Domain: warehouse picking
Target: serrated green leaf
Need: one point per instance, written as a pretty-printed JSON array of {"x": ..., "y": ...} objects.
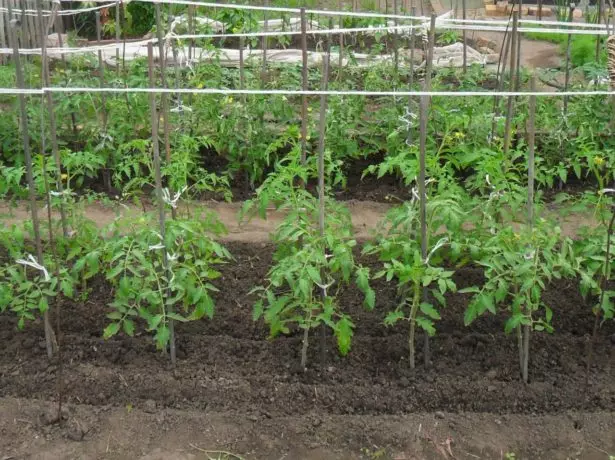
[
  {"x": 111, "y": 330},
  {"x": 429, "y": 310},
  {"x": 129, "y": 327}
]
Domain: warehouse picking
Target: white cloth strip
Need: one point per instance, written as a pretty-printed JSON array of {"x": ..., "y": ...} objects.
[{"x": 282, "y": 92}]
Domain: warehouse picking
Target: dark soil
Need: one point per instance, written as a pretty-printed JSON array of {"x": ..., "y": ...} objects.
[{"x": 228, "y": 365}]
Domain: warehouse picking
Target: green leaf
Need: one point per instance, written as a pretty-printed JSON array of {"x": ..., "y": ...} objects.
[
  {"x": 154, "y": 321},
  {"x": 314, "y": 274},
  {"x": 442, "y": 285},
  {"x": 393, "y": 316},
  {"x": 162, "y": 337},
  {"x": 129, "y": 327},
  {"x": 257, "y": 310},
  {"x": 370, "y": 299},
  {"x": 426, "y": 325},
  {"x": 111, "y": 330},
  {"x": 176, "y": 317},
  {"x": 343, "y": 333},
  {"x": 429, "y": 310},
  {"x": 67, "y": 288},
  {"x": 115, "y": 315},
  {"x": 513, "y": 322}
]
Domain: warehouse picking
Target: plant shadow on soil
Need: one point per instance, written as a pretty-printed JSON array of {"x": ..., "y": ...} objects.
[{"x": 227, "y": 365}]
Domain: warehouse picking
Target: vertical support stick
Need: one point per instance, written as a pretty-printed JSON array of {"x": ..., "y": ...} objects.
[
  {"x": 60, "y": 28},
  {"x": 465, "y": 39},
  {"x": 52, "y": 117},
  {"x": 118, "y": 32},
  {"x": 501, "y": 72},
  {"x": 567, "y": 70},
  {"x": 410, "y": 78},
  {"x": 321, "y": 175},
  {"x": 424, "y": 109},
  {"x": 164, "y": 97},
  {"x": 531, "y": 140},
  {"x": 513, "y": 83},
  {"x": 103, "y": 100},
  {"x": 600, "y": 17},
  {"x": 341, "y": 51},
  {"x": 304, "y": 86},
  {"x": 265, "y": 43},
  {"x": 101, "y": 70},
  {"x": 540, "y": 10},
  {"x": 23, "y": 119},
  {"x": 395, "y": 44},
  {"x": 158, "y": 179},
  {"x": 242, "y": 74}
]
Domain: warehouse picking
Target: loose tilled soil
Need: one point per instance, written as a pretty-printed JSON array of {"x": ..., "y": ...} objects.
[{"x": 235, "y": 390}]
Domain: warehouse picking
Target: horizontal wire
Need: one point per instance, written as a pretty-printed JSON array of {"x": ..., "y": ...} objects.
[
  {"x": 384, "y": 29},
  {"x": 282, "y": 92},
  {"x": 350, "y": 13},
  {"x": 46, "y": 13}
]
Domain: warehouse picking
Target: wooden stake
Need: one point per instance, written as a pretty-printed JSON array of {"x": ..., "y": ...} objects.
[
  {"x": 540, "y": 10},
  {"x": 600, "y": 20},
  {"x": 513, "y": 83},
  {"x": 265, "y": 44},
  {"x": 242, "y": 76},
  {"x": 321, "y": 174},
  {"x": 118, "y": 23},
  {"x": 163, "y": 77},
  {"x": 304, "y": 86},
  {"x": 101, "y": 70},
  {"x": 501, "y": 72},
  {"x": 52, "y": 117},
  {"x": 531, "y": 139},
  {"x": 395, "y": 44},
  {"x": 23, "y": 119},
  {"x": 465, "y": 40},
  {"x": 158, "y": 179},
  {"x": 424, "y": 114},
  {"x": 340, "y": 69},
  {"x": 410, "y": 78}
]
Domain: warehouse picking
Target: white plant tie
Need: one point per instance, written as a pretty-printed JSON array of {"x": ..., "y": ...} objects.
[
  {"x": 166, "y": 196},
  {"x": 530, "y": 254},
  {"x": 31, "y": 262},
  {"x": 607, "y": 190},
  {"x": 324, "y": 287},
  {"x": 155, "y": 247},
  {"x": 441, "y": 242}
]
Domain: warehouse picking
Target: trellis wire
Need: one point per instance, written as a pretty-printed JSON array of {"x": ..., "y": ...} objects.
[
  {"x": 334, "y": 12},
  {"x": 284, "y": 92},
  {"x": 408, "y": 28}
]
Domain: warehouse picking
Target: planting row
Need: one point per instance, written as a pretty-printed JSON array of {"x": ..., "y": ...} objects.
[{"x": 159, "y": 278}]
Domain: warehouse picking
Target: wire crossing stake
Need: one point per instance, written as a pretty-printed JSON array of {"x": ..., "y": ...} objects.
[
  {"x": 23, "y": 119},
  {"x": 513, "y": 83},
  {"x": 424, "y": 114},
  {"x": 161, "y": 212},
  {"x": 304, "y": 86},
  {"x": 321, "y": 176}
]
